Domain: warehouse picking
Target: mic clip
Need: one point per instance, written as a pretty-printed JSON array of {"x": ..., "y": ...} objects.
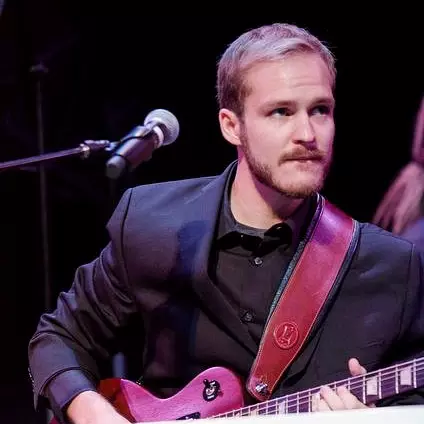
[{"x": 90, "y": 146}]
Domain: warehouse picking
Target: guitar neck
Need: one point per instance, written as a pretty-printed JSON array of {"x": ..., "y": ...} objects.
[{"x": 368, "y": 388}]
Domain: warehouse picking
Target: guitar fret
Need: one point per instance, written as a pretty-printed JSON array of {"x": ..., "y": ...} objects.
[
  {"x": 396, "y": 376},
  {"x": 364, "y": 394},
  {"x": 415, "y": 372},
  {"x": 419, "y": 375}
]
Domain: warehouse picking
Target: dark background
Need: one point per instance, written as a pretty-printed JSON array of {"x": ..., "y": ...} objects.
[{"x": 106, "y": 68}]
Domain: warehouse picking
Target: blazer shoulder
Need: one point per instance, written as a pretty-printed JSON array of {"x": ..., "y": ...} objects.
[
  {"x": 166, "y": 186},
  {"x": 383, "y": 242},
  {"x": 161, "y": 196},
  {"x": 167, "y": 191}
]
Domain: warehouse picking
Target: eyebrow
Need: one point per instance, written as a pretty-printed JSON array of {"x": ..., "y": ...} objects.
[
  {"x": 329, "y": 101},
  {"x": 325, "y": 100}
]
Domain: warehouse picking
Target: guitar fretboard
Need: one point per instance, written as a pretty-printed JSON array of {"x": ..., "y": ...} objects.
[{"x": 368, "y": 388}]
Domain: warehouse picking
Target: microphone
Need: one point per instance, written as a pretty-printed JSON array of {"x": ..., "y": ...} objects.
[{"x": 160, "y": 128}]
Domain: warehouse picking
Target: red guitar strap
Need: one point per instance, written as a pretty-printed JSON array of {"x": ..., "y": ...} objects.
[{"x": 317, "y": 264}]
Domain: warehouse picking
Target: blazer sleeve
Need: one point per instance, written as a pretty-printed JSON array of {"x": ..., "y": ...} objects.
[
  {"x": 410, "y": 343},
  {"x": 80, "y": 332}
]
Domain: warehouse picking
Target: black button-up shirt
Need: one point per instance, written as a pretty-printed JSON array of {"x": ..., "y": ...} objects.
[{"x": 250, "y": 262}]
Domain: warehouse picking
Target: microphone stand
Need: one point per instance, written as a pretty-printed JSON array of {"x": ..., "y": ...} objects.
[
  {"x": 40, "y": 70},
  {"x": 84, "y": 150}
]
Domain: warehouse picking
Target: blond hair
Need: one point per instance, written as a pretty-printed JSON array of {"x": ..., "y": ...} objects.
[{"x": 266, "y": 43}]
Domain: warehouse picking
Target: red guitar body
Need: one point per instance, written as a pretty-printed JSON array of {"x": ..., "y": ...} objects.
[{"x": 216, "y": 390}]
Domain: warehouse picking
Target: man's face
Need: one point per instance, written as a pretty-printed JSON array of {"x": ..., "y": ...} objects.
[{"x": 287, "y": 129}]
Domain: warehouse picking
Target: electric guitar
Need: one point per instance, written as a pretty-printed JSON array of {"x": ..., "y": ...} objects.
[{"x": 219, "y": 393}]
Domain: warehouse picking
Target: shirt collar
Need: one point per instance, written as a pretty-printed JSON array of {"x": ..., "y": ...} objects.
[{"x": 293, "y": 227}]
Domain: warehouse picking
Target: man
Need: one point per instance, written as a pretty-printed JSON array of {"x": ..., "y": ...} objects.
[{"x": 198, "y": 262}]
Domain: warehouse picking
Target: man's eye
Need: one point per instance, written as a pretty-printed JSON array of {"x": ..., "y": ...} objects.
[
  {"x": 322, "y": 110},
  {"x": 281, "y": 111}
]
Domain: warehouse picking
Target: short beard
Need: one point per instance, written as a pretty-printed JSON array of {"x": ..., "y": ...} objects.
[{"x": 264, "y": 175}]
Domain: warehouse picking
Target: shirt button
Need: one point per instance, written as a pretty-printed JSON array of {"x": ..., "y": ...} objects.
[
  {"x": 258, "y": 261},
  {"x": 247, "y": 317}
]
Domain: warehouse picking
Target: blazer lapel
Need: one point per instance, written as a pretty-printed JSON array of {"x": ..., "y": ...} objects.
[{"x": 199, "y": 217}]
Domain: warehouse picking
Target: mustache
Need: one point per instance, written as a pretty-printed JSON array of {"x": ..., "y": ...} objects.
[{"x": 317, "y": 155}]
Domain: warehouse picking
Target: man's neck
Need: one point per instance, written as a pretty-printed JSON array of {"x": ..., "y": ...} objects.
[{"x": 259, "y": 206}]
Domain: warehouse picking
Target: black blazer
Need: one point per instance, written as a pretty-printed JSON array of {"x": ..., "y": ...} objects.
[{"x": 154, "y": 272}]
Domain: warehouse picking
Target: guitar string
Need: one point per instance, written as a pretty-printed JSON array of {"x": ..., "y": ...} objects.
[
  {"x": 300, "y": 397},
  {"x": 273, "y": 406},
  {"x": 299, "y": 400}
]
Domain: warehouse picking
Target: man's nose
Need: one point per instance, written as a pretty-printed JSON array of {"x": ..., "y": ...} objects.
[{"x": 304, "y": 130}]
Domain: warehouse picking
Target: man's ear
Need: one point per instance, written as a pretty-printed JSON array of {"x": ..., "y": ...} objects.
[{"x": 230, "y": 126}]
